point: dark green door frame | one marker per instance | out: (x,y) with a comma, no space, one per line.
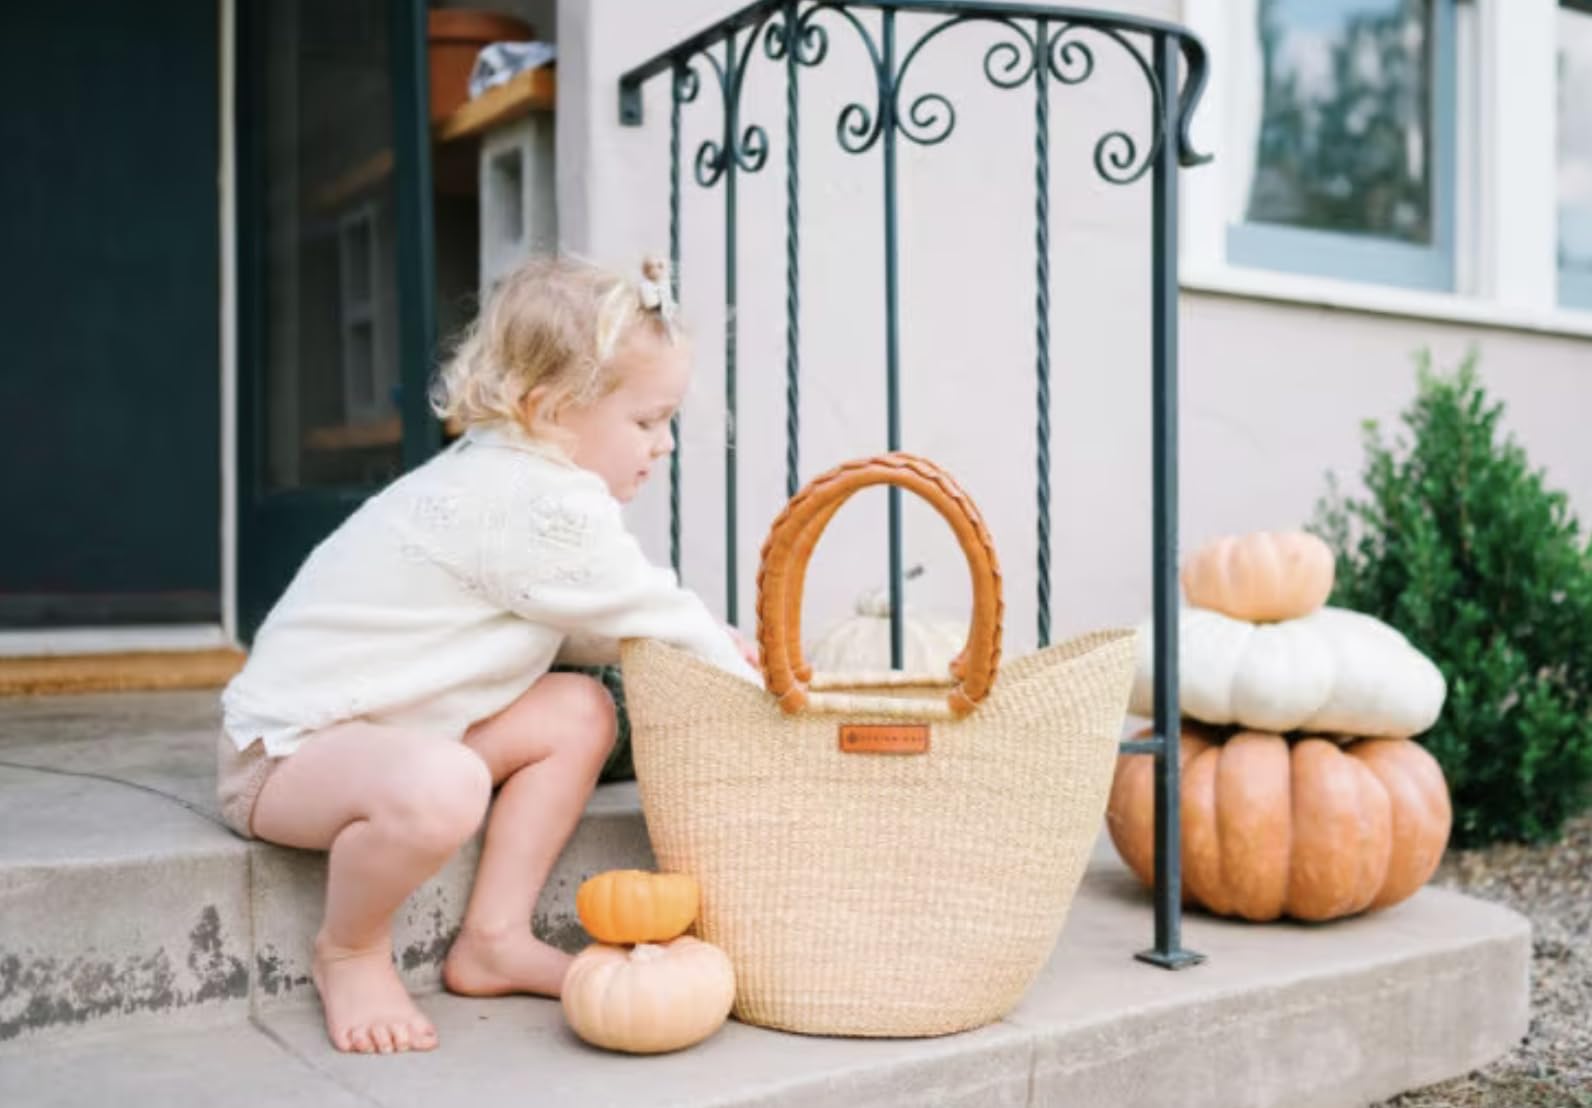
(278,528)
(417,243)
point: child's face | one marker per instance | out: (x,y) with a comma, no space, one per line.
(621,435)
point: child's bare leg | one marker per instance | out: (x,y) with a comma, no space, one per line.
(547,748)
(391,807)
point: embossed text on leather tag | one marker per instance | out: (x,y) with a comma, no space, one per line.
(884,738)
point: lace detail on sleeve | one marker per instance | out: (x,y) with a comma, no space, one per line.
(536,541)
(567,534)
(565,546)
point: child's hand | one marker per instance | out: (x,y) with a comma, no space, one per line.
(748,649)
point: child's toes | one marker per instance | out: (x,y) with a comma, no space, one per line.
(422,1036)
(381,1035)
(400,1037)
(359,1040)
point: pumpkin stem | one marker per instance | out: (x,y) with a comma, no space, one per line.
(646,952)
(876,602)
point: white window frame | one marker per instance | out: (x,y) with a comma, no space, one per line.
(1505,234)
(1574,284)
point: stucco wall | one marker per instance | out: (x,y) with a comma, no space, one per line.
(1273,394)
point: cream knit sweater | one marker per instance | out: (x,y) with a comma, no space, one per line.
(442,598)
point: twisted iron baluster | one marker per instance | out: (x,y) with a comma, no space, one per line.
(724,159)
(1042,312)
(792,258)
(683,89)
(732,108)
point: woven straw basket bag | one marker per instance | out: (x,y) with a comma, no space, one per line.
(879,854)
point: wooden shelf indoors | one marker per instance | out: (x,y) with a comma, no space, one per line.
(366,436)
(532,91)
(535,90)
(356,436)
(350,183)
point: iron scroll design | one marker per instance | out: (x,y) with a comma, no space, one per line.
(1039,45)
(930,117)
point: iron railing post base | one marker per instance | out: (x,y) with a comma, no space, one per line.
(1170,959)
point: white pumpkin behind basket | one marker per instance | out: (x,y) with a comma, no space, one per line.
(861,643)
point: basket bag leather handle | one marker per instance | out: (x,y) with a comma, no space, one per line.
(795,534)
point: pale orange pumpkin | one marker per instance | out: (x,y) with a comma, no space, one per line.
(1263,576)
(649,998)
(1307,829)
(634,906)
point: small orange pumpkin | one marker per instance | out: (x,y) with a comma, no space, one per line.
(1306,829)
(1264,576)
(633,906)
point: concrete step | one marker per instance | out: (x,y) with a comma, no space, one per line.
(1280,1015)
(150,957)
(125,903)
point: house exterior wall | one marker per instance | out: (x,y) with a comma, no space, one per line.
(1273,393)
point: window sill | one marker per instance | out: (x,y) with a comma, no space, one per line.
(1351,296)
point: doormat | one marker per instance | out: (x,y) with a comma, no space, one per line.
(130,672)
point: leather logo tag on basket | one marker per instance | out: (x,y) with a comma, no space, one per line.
(884,738)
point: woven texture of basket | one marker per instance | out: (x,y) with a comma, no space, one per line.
(879,855)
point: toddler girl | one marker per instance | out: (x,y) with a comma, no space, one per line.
(404,674)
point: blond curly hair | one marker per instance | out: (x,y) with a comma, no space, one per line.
(553,322)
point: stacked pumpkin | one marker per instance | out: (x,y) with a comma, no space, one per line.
(645,986)
(1302,792)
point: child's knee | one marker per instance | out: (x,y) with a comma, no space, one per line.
(588,709)
(443,800)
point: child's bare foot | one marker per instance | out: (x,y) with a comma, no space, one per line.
(498,961)
(368,1011)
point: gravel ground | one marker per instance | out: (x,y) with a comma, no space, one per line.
(1551,886)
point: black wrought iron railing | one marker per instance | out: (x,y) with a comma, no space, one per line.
(1040,46)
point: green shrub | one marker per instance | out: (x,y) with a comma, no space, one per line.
(1462,547)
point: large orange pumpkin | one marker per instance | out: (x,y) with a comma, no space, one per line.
(634,906)
(1305,828)
(1263,576)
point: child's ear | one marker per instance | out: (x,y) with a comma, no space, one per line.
(533,407)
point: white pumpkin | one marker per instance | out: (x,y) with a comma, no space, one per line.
(1333,672)
(650,998)
(861,644)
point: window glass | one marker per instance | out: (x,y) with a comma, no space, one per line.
(1344,142)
